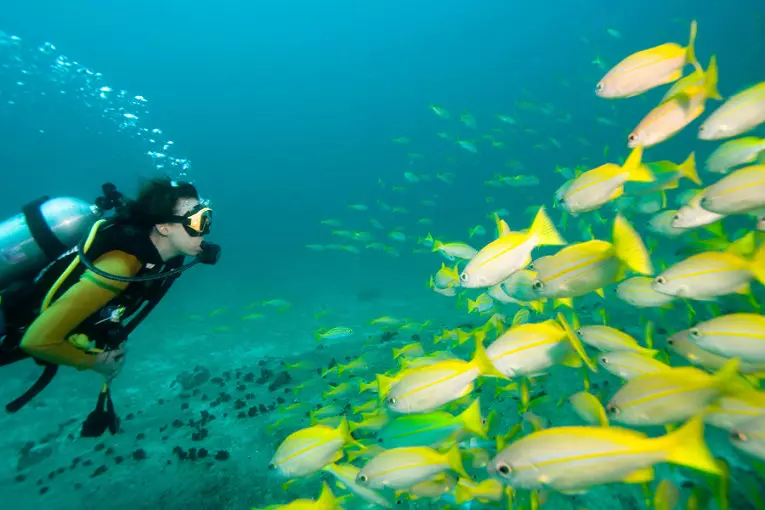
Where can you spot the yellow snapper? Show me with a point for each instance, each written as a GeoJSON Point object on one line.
{"type": "Point", "coordinates": [736, 335]}
{"type": "Point", "coordinates": [447, 277]}
{"type": "Point", "coordinates": [608, 339]}
{"type": "Point", "coordinates": [589, 408]}
{"type": "Point", "coordinates": [692, 215]}
{"type": "Point", "coordinates": [708, 275]}
{"type": "Point", "coordinates": [647, 69]}
{"type": "Point", "coordinates": [630, 364]}
{"type": "Point", "coordinates": [531, 349]}
{"type": "Point", "coordinates": [455, 250]}
{"type": "Point", "coordinates": [431, 429]}
{"type": "Point", "coordinates": [402, 468]}
{"type": "Point", "coordinates": [574, 459]}
{"type": "Point", "coordinates": [335, 333]}
{"type": "Point", "coordinates": [346, 475]}
{"type": "Point", "coordinates": [734, 153]}
{"type": "Point", "coordinates": [487, 491]}
{"type": "Point", "coordinates": [662, 224]}
{"type": "Point", "coordinates": [732, 411]}
{"type": "Point", "coordinates": [739, 192]}
{"type": "Point", "coordinates": [749, 437]}
{"type": "Point", "coordinates": [308, 450]}
{"type": "Point", "coordinates": [638, 291]}
{"type": "Point", "coordinates": [481, 304]}
{"type": "Point", "coordinates": [670, 396]}
{"type": "Point", "coordinates": [737, 115]}
{"type": "Point", "coordinates": [428, 387]}
{"type": "Point", "coordinates": [588, 267]}
{"type": "Point", "coordinates": [433, 489]}
{"type": "Point", "coordinates": [600, 185]}
{"type": "Point", "coordinates": [673, 114]}
{"type": "Point", "coordinates": [509, 253]}
{"type": "Point", "coordinates": [681, 344]}
{"type": "Point", "coordinates": [667, 176]}
{"type": "Point", "coordinates": [519, 285]}
{"type": "Point", "coordinates": [326, 501]}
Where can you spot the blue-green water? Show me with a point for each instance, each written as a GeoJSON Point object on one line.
{"type": "Point", "coordinates": [284, 114]}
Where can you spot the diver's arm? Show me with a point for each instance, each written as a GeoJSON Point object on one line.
{"type": "Point", "coordinates": [46, 338]}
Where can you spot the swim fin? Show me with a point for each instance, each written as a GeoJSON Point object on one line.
{"type": "Point", "coordinates": [102, 418]}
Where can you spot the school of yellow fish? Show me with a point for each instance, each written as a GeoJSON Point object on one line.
{"type": "Point", "coordinates": [420, 450]}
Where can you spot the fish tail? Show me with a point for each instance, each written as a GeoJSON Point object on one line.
{"type": "Point", "coordinates": [544, 230]}
{"type": "Point", "coordinates": [462, 494]}
{"type": "Point", "coordinates": [690, 51]}
{"type": "Point", "coordinates": [471, 305]}
{"type": "Point", "coordinates": [630, 248]}
{"type": "Point", "coordinates": [326, 498]}
{"type": "Point", "coordinates": [454, 459]}
{"type": "Point", "coordinates": [437, 245]}
{"type": "Point", "coordinates": [725, 378]}
{"type": "Point", "coordinates": [635, 169]}
{"type": "Point", "coordinates": [481, 359]}
{"type": "Point", "coordinates": [686, 447]}
{"type": "Point", "coordinates": [575, 342]}
{"type": "Point", "coordinates": [688, 169]}
{"type": "Point", "coordinates": [758, 264]}
{"type": "Point", "coordinates": [710, 79]}
{"type": "Point", "coordinates": [471, 419]}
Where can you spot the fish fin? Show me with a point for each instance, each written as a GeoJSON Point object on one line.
{"type": "Point", "coordinates": [688, 169]}
{"type": "Point", "coordinates": [686, 447]}
{"type": "Point", "coordinates": [649, 334]}
{"type": "Point", "coordinates": [568, 302]}
{"type": "Point", "coordinates": [630, 248]}
{"type": "Point", "coordinates": [690, 50]}
{"type": "Point", "coordinates": [326, 498]}
{"type": "Point", "coordinates": [572, 360]}
{"type": "Point", "coordinates": [715, 228]}
{"type": "Point", "coordinates": [758, 264]}
{"type": "Point", "coordinates": [726, 378]}
{"type": "Point", "coordinates": [710, 79]}
{"type": "Point", "coordinates": [575, 342]}
{"type": "Point", "coordinates": [543, 228]}
{"type": "Point", "coordinates": [640, 476]}
{"type": "Point", "coordinates": [454, 459]}
{"type": "Point", "coordinates": [471, 419]}
{"type": "Point", "coordinates": [600, 293]}
{"type": "Point", "coordinates": [482, 361]}
{"type": "Point", "coordinates": [634, 168]}
{"type": "Point", "coordinates": [462, 494]}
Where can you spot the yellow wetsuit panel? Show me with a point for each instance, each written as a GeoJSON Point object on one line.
{"type": "Point", "coordinates": [46, 338]}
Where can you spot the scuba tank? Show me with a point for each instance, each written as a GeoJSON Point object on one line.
{"type": "Point", "coordinates": [45, 229]}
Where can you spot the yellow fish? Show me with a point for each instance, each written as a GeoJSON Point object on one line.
{"type": "Point", "coordinates": [574, 459]}
{"type": "Point", "coordinates": [326, 501]}
{"type": "Point", "coordinates": [510, 253]}
{"type": "Point", "coordinates": [308, 450]}
{"type": "Point", "coordinates": [588, 267]}
{"type": "Point", "coordinates": [734, 153]}
{"type": "Point", "coordinates": [601, 185]}
{"type": "Point", "coordinates": [647, 69]}
{"type": "Point", "coordinates": [638, 291]}
{"type": "Point", "coordinates": [736, 335]}
{"type": "Point", "coordinates": [742, 191]}
{"type": "Point", "coordinates": [739, 114]}
{"type": "Point", "coordinates": [675, 113]}
{"type": "Point", "coordinates": [402, 468]}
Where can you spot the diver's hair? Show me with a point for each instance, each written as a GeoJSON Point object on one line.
{"type": "Point", "coordinates": [156, 201]}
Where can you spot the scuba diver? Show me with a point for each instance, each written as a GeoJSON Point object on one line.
{"type": "Point", "coordinates": [79, 310]}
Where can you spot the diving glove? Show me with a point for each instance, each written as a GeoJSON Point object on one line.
{"type": "Point", "coordinates": [109, 363]}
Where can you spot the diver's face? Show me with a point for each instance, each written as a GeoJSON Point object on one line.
{"type": "Point", "coordinates": [179, 239]}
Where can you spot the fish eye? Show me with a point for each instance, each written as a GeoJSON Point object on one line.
{"type": "Point", "coordinates": [392, 400]}
{"type": "Point", "coordinates": [578, 332]}
{"type": "Point", "coordinates": [362, 479]}
{"type": "Point", "coordinates": [503, 469]}
{"type": "Point", "coordinates": [695, 333]}
{"type": "Point", "coordinates": [612, 409]}
{"type": "Point", "coordinates": [670, 341]}
{"type": "Point", "coordinates": [632, 137]}
{"type": "Point", "coordinates": [676, 217]}
{"type": "Point", "coordinates": [271, 466]}
{"type": "Point", "coordinates": [604, 360]}
{"type": "Point", "coordinates": [464, 276]}
{"type": "Point", "coordinates": [660, 280]}
{"type": "Point", "coordinates": [399, 501]}
{"type": "Point", "coordinates": [599, 87]}
{"type": "Point", "coordinates": [538, 285]}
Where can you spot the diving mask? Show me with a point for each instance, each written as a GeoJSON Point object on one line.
{"type": "Point", "coordinates": [197, 221]}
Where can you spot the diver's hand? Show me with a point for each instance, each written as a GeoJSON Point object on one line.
{"type": "Point", "coordinates": [109, 363]}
